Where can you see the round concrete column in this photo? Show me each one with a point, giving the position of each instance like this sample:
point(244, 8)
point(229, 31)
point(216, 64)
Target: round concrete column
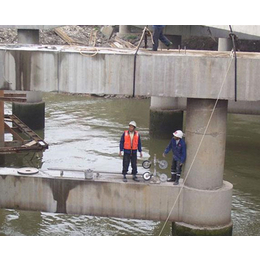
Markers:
point(224, 44)
point(165, 117)
point(32, 112)
point(28, 36)
point(124, 29)
point(207, 170)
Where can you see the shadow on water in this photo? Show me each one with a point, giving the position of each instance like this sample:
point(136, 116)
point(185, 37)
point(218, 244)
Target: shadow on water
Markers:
point(84, 132)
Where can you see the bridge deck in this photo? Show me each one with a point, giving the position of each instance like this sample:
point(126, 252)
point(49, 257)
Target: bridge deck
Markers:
point(172, 73)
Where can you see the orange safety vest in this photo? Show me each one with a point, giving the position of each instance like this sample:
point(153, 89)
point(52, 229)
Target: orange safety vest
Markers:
point(127, 143)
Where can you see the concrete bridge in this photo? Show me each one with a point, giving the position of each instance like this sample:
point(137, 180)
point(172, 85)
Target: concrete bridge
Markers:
point(173, 73)
point(204, 79)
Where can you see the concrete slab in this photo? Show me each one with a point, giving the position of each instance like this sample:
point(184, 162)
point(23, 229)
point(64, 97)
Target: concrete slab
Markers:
point(91, 70)
point(109, 196)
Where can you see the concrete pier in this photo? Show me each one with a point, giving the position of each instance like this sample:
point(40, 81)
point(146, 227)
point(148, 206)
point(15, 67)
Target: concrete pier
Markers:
point(204, 167)
point(28, 36)
point(124, 30)
point(224, 44)
point(165, 117)
point(31, 112)
point(207, 170)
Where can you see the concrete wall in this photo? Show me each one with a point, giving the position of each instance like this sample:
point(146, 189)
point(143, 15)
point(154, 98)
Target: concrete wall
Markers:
point(196, 74)
point(109, 196)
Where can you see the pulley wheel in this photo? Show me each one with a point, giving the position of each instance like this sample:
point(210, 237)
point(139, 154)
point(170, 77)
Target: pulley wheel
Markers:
point(146, 164)
point(163, 177)
point(147, 176)
point(163, 164)
point(28, 171)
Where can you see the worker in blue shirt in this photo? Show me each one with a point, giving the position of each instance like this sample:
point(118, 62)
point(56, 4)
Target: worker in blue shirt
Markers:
point(158, 35)
point(178, 147)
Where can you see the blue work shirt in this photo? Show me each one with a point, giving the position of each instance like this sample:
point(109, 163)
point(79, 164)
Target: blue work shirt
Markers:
point(178, 150)
point(158, 26)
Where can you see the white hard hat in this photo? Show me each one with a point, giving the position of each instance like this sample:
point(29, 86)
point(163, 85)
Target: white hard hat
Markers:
point(133, 123)
point(178, 134)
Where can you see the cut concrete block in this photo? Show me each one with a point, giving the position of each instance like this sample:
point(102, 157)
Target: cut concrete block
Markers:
point(107, 31)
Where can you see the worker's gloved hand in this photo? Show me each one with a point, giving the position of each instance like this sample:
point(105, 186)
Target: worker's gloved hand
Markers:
point(163, 154)
point(141, 154)
point(120, 153)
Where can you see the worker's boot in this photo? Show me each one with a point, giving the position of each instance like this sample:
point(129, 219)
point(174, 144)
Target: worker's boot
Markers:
point(124, 178)
point(173, 177)
point(169, 46)
point(177, 180)
point(135, 178)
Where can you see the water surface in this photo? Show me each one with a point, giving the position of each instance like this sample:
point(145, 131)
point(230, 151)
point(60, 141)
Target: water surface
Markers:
point(84, 132)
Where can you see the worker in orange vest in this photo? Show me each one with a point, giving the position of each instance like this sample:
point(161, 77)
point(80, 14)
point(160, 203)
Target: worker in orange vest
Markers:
point(130, 142)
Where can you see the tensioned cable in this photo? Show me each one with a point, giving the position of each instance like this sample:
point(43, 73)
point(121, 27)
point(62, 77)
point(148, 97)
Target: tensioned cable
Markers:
point(232, 35)
point(207, 126)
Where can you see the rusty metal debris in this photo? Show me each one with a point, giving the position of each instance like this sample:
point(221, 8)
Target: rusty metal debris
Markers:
point(24, 138)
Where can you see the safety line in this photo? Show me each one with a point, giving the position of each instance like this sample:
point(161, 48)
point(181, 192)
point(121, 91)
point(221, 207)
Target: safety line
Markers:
point(213, 110)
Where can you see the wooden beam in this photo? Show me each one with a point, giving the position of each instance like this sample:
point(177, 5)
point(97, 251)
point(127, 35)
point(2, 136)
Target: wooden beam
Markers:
point(13, 99)
point(15, 135)
point(64, 36)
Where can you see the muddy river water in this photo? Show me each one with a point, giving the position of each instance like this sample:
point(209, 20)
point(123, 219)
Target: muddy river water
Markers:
point(84, 132)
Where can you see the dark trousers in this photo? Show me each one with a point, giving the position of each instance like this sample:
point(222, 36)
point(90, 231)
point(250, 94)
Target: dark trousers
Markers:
point(126, 161)
point(158, 35)
point(176, 167)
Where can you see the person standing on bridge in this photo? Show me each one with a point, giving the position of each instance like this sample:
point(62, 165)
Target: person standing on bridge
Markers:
point(158, 35)
point(130, 142)
point(178, 147)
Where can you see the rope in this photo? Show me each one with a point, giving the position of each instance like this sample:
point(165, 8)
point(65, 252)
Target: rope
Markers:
point(213, 110)
point(88, 55)
point(135, 55)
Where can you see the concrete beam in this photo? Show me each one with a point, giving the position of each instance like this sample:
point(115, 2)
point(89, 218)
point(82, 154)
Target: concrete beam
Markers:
point(109, 196)
point(192, 74)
